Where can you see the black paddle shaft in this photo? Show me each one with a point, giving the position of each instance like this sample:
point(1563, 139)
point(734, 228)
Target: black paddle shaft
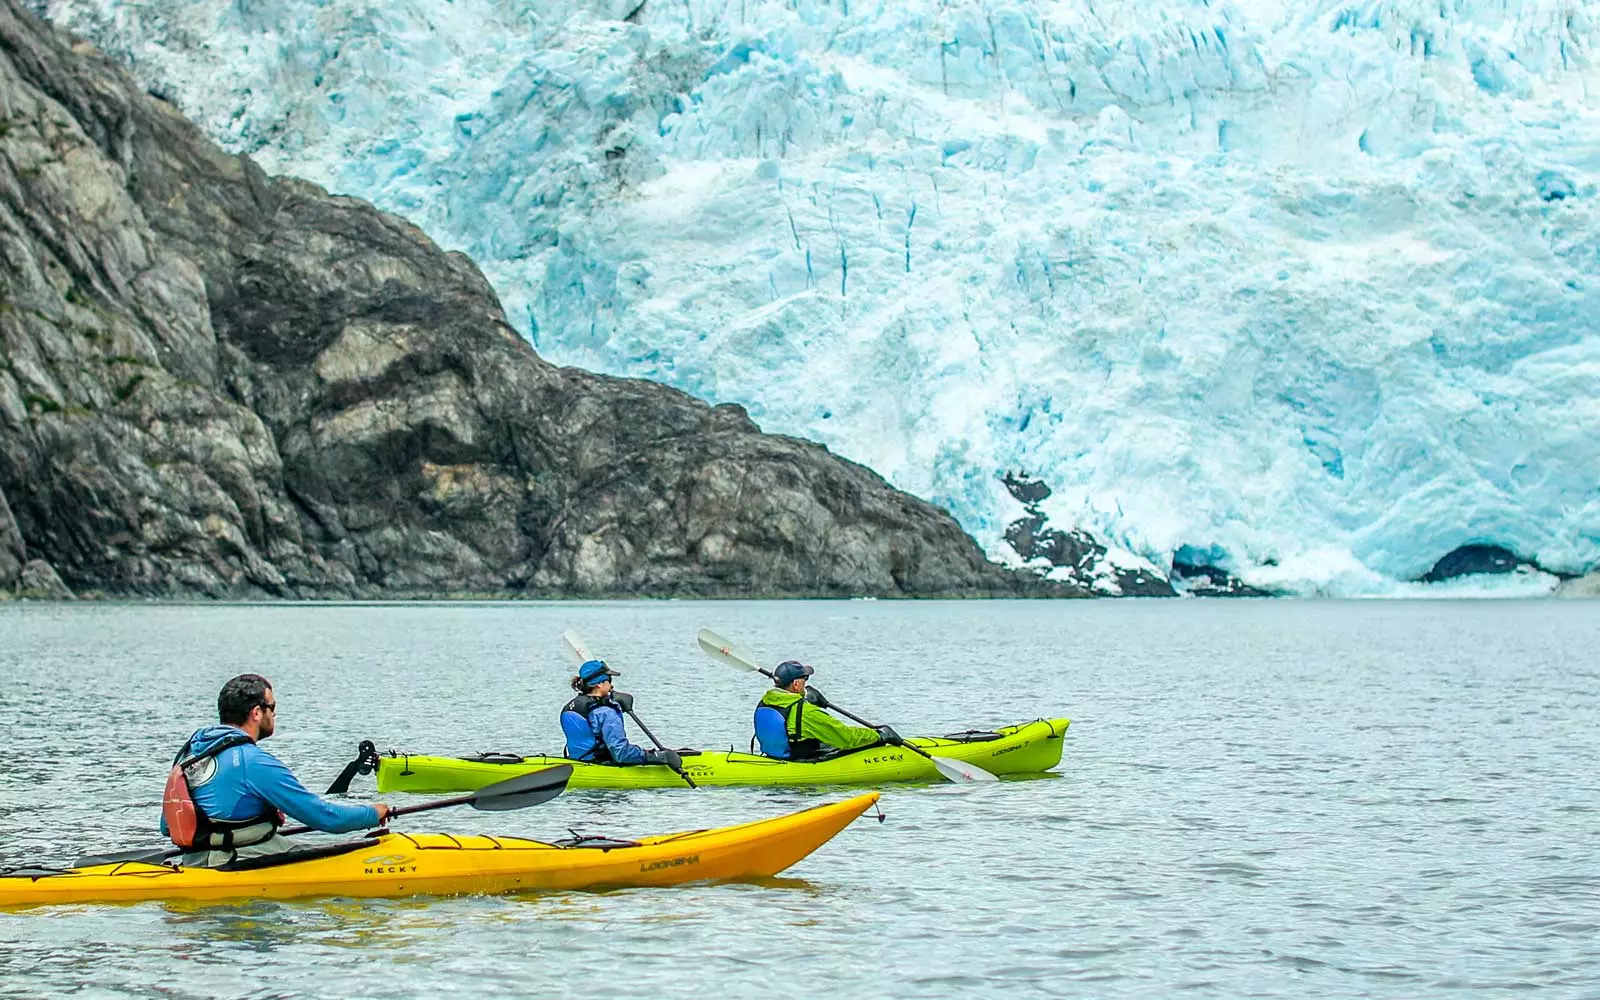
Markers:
point(640, 723)
point(858, 720)
point(853, 717)
point(459, 800)
point(721, 649)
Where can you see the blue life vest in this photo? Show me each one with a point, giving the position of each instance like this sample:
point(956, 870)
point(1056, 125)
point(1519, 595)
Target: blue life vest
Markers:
point(771, 732)
point(778, 732)
point(582, 743)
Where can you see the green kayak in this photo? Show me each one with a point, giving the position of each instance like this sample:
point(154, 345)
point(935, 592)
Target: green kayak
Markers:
point(1029, 748)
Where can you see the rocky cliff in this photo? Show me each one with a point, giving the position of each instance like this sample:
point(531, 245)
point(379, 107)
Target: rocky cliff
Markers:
point(218, 382)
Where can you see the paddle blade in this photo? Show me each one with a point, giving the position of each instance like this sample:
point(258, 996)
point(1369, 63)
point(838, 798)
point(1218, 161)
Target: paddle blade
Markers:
point(577, 647)
point(524, 790)
point(960, 771)
point(718, 648)
point(366, 761)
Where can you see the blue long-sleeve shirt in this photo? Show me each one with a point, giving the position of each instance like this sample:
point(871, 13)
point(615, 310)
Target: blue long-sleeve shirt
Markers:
point(607, 725)
point(249, 781)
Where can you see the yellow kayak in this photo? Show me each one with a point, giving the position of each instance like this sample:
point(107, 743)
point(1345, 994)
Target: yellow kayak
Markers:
point(441, 864)
point(1029, 748)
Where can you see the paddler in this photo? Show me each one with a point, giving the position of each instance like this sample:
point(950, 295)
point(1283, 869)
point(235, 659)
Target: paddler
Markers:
point(793, 724)
point(226, 797)
point(593, 724)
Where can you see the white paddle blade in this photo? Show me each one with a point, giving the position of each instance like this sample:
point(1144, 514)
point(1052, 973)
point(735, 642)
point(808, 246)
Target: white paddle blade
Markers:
point(576, 646)
point(719, 648)
point(960, 771)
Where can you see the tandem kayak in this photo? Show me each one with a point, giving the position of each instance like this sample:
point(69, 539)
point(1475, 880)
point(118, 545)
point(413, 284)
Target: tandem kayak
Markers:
point(1030, 748)
point(439, 864)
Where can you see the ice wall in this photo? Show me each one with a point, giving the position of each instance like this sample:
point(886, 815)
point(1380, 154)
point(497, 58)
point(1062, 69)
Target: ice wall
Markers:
point(1307, 290)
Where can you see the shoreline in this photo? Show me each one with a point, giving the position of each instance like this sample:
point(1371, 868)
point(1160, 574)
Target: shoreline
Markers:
point(110, 600)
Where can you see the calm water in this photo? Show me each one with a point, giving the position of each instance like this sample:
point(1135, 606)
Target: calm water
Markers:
point(1257, 798)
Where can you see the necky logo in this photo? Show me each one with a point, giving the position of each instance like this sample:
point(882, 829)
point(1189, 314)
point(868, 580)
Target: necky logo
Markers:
point(389, 864)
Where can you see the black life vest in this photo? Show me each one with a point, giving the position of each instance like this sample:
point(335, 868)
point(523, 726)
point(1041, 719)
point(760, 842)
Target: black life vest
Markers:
point(188, 824)
point(582, 743)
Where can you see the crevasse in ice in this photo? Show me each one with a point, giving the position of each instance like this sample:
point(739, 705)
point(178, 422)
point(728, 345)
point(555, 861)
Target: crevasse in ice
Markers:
point(1311, 289)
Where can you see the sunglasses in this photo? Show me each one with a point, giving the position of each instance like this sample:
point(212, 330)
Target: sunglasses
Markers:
point(272, 707)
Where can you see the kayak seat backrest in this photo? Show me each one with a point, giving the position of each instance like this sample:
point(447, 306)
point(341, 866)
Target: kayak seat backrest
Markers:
point(772, 732)
point(580, 738)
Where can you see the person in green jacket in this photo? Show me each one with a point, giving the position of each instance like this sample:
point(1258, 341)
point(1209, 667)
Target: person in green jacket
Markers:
point(791, 726)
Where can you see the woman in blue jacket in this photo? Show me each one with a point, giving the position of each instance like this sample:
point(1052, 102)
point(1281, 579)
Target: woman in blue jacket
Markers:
point(593, 726)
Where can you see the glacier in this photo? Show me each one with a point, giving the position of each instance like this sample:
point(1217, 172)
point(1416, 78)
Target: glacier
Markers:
point(1307, 290)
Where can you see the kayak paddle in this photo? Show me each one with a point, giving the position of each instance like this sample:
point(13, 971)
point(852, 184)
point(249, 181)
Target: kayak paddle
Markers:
point(365, 763)
point(580, 649)
point(514, 793)
point(723, 651)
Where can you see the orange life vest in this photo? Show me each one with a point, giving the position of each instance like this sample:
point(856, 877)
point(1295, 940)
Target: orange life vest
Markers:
point(187, 824)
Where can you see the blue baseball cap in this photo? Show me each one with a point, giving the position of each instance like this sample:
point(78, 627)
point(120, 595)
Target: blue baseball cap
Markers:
point(594, 671)
point(790, 671)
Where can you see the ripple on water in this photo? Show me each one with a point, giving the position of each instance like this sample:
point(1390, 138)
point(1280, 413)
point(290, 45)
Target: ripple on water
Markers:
point(1309, 799)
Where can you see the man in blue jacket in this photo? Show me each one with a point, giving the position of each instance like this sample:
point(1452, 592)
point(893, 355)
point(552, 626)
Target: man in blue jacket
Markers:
point(592, 722)
point(241, 792)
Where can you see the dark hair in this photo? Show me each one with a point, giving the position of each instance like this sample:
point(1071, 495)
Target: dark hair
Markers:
point(240, 696)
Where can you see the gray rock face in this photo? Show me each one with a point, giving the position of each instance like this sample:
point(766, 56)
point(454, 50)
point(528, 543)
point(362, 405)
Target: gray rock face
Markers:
point(38, 579)
point(222, 383)
point(1076, 553)
point(1203, 580)
point(12, 552)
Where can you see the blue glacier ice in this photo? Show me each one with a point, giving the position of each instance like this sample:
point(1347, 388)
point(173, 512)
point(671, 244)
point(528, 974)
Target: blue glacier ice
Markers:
point(1312, 288)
